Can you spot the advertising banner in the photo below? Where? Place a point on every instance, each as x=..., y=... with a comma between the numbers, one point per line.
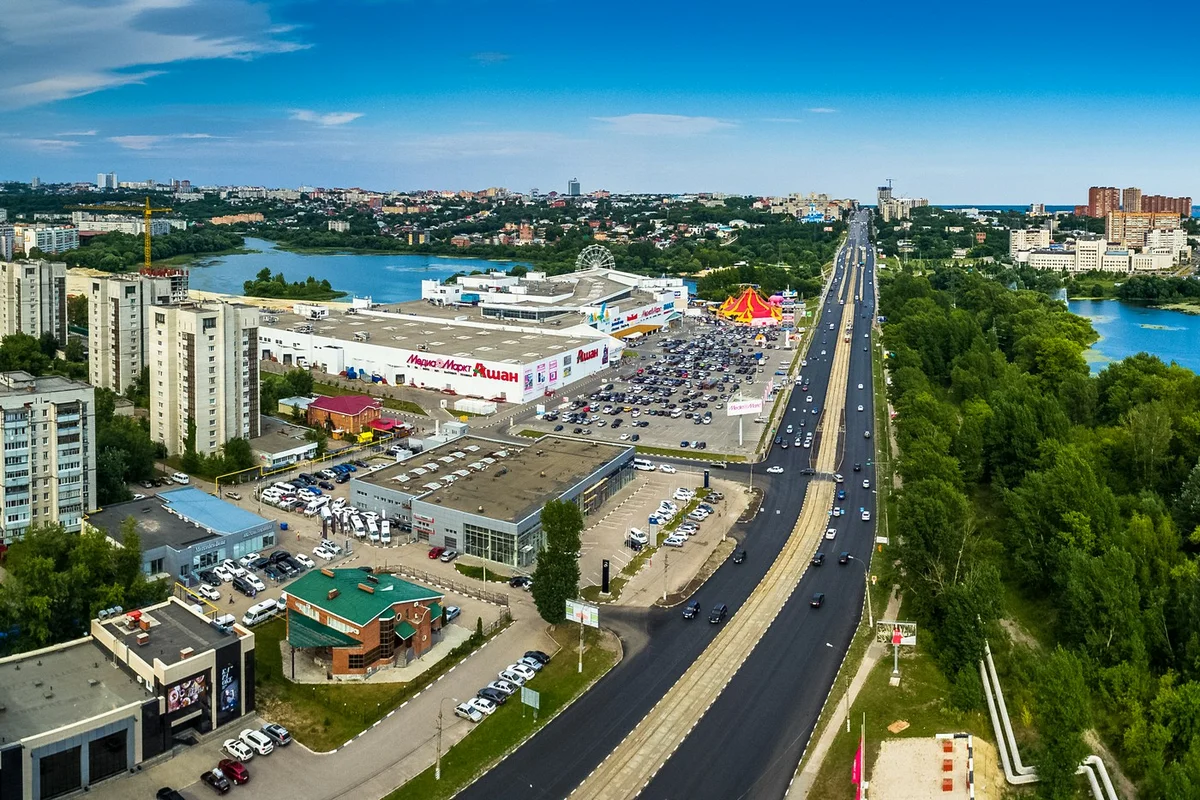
x=187, y=692
x=583, y=613
x=737, y=408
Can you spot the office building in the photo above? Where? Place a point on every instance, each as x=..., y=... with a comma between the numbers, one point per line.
x=1157, y=203
x=573, y=187
x=49, y=452
x=106, y=180
x=49, y=239
x=1129, y=228
x=118, y=317
x=1103, y=199
x=1174, y=242
x=1027, y=239
x=33, y=299
x=7, y=241
x=203, y=370
x=1131, y=199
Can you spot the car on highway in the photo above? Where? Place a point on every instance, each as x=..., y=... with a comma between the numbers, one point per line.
x=691, y=610
x=841, y=494
x=866, y=434
x=818, y=559
x=860, y=386
x=830, y=533
x=279, y=734
x=866, y=483
x=857, y=467
x=837, y=477
x=776, y=470
x=234, y=770
x=860, y=408
x=216, y=780
x=818, y=600
x=739, y=555
x=844, y=557
x=258, y=741
x=718, y=614
x=237, y=749
x=866, y=515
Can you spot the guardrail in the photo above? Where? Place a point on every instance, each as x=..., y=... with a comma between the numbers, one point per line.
x=441, y=581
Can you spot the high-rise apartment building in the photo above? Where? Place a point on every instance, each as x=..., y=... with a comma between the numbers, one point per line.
x=49, y=452
x=1028, y=239
x=47, y=238
x=894, y=208
x=33, y=299
x=7, y=241
x=203, y=370
x=106, y=180
x=1103, y=199
x=1129, y=228
x=118, y=326
x=573, y=187
x=1131, y=199
x=1157, y=203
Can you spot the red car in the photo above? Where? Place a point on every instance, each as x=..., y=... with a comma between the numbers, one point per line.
x=234, y=770
x=436, y=552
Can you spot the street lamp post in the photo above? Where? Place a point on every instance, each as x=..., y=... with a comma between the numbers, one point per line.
x=437, y=768
x=867, y=583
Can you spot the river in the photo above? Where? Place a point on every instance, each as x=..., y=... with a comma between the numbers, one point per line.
x=1129, y=328
x=386, y=278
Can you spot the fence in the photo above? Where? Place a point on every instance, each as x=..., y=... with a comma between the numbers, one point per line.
x=428, y=578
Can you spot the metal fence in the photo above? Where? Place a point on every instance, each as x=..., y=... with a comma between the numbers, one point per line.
x=430, y=579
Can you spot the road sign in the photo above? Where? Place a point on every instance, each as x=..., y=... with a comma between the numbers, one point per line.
x=737, y=408
x=530, y=697
x=583, y=613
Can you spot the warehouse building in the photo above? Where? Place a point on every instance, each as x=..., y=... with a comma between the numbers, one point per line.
x=79, y=712
x=484, y=497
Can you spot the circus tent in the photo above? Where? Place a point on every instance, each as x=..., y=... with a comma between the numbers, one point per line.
x=751, y=309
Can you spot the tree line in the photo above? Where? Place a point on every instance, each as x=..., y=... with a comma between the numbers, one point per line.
x=267, y=285
x=123, y=252
x=1078, y=496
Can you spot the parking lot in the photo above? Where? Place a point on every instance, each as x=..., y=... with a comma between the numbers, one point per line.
x=674, y=394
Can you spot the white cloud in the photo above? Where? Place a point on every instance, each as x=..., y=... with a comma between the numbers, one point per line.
x=78, y=133
x=821, y=110
x=327, y=120
x=49, y=145
x=58, y=49
x=664, y=124
x=149, y=141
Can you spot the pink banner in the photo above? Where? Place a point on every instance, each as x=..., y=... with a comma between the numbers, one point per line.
x=856, y=772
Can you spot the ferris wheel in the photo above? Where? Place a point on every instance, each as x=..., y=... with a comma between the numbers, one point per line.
x=595, y=256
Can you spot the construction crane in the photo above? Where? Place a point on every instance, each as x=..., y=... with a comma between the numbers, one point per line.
x=147, y=210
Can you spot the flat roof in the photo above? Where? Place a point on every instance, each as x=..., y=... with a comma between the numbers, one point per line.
x=279, y=437
x=351, y=602
x=65, y=695
x=200, y=517
x=17, y=382
x=494, y=343
x=178, y=627
x=510, y=486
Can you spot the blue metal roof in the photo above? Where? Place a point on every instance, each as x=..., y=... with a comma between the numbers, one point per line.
x=210, y=512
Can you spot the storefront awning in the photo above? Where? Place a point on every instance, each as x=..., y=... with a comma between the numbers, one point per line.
x=640, y=330
x=384, y=424
x=306, y=632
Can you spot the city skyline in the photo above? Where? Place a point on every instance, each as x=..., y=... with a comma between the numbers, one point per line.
x=768, y=102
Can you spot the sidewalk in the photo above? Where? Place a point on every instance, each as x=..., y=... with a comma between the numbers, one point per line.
x=814, y=754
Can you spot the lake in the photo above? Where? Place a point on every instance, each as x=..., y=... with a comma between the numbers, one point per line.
x=1129, y=328
x=386, y=278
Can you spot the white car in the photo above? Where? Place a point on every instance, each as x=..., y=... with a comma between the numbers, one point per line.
x=860, y=408
x=775, y=470
x=305, y=560
x=522, y=670
x=639, y=536
x=237, y=749
x=222, y=572
x=139, y=496
x=320, y=552
x=531, y=662
x=256, y=582
x=860, y=386
x=674, y=540
x=208, y=592
x=512, y=677
x=866, y=484
x=338, y=502
x=830, y=533
x=482, y=705
x=180, y=478
x=257, y=741
x=667, y=468
x=866, y=515
x=504, y=687
x=248, y=559
x=331, y=546
x=468, y=712
x=837, y=477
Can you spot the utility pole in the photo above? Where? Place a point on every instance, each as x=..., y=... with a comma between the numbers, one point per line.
x=666, y=563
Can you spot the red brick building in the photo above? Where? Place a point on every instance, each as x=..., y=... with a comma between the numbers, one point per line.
x=352, y=413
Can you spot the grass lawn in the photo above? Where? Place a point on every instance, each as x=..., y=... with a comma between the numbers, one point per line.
x=559, y=683
x=325, y=716
x=919, y=701
x=472, y=571
x=388, y=402
x=531, y=434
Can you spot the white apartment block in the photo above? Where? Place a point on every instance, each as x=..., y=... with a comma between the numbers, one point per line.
x=47, y=238
x=33, y=298
x=203, y=368
x=1094, y=255
x=339, y=225
x=1027, y=239
x=49, y=452
x=108, y=223
x=7, y=239
x=118, y=326
x=1173, y=241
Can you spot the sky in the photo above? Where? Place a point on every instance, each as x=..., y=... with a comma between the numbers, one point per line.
x=958, y=102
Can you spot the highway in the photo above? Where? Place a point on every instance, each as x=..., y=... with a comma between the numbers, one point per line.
x=750, y=740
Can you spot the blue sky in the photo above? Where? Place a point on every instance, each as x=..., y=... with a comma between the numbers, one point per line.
x=958, y=102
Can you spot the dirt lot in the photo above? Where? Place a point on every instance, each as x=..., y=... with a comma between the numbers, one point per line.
x=911, y=769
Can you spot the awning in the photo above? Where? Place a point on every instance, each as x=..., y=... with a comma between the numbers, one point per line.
x=435, y=610
x=306, y=632
x=405, y=631
x=641, y=330
x=384, y=424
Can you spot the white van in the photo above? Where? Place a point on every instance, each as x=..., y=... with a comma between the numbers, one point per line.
x=643, y=464
x=326, y=513
x=385, y=532
x=360, y=530
x=372, y=530
x=287, y=488
x=676, y=413
x=260, y=612
x=315, y=505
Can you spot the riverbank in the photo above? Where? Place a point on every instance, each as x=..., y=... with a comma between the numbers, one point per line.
x=1127, y=328
x=188, y=259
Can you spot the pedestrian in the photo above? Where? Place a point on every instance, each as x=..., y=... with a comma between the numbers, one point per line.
x=231, y=597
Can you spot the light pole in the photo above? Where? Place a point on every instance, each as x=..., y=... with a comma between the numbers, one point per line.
x=846, y=679
x=437, y=768
x=867, y=583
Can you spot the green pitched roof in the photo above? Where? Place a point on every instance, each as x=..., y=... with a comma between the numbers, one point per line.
x=435, y=610
x=352, y=603
x=305, y=632
x=405, y=630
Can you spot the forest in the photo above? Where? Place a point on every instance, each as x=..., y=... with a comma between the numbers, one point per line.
x=122, y=252
x=267, y=285
x=1066, y=504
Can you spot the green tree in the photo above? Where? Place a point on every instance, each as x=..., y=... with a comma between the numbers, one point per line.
x=1062, y=715
x=77, y=310
x=110, y=477
x=556, y=576
x=48, y=344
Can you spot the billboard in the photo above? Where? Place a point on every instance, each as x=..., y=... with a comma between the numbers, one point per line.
x=187, y=692
x=583, y=613
x=736, y=408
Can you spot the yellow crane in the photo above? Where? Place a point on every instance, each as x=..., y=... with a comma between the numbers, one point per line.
x=147, y=210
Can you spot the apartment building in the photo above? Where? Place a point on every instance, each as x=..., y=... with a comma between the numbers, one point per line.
x=1168, y=205
x=204, y=369
x=7, y=240
x=1131, y=199
x=118, y=329
x=33, y=298
x=47, y=238
x=339, y=225
x=1027, y=239
x=1102, y=200
x=49, y=452
x=1173, y=241
x=1129, y=228
x=108, y=223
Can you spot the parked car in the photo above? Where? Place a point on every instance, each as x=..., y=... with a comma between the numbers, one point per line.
x=234, y=770
x=447, y=556
x=279, y=734
x=167, y=793
x=237, y=749
x=523, y=670
x=495, y=696
x=258, y=741
x=216, y=779
x=539, y=655
x=512, y=677
x=436, y=552
x=320, y=552
x=504, y=687
x=180, y=478
x=208, y=592
x=521, y=582
x=483, y=705
x=305, y=561
x=532, y=663
x=468, y=712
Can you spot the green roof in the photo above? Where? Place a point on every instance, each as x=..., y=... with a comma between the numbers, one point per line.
x=405, y=630
x=352, y=603
x=306, y=632
x=435, y=611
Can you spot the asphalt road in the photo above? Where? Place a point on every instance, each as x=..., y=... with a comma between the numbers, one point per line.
x=749, y=742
